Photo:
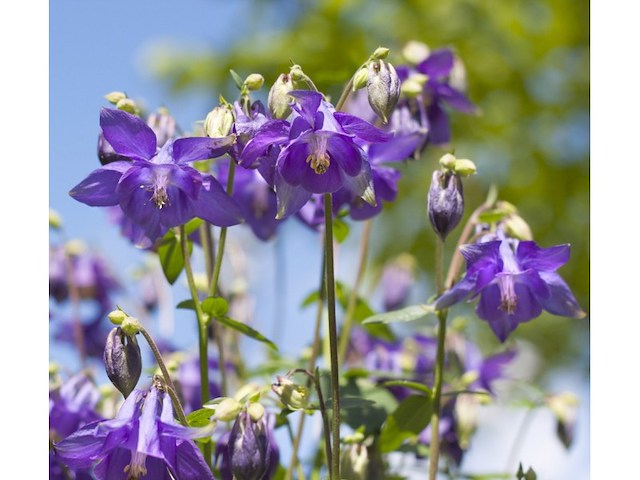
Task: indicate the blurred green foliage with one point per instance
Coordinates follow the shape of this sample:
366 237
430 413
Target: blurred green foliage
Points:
527 65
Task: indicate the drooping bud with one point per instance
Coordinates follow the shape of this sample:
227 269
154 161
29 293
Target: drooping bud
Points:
448 161
117 317
383 88
294 396
354 462
445 202
254 81
565 408
218 122
122 361
360 79
279 100
415 52
130 326
128 105
464 167
256 411
248 448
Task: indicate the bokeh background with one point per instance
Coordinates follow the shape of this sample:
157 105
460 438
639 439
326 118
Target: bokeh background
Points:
527 65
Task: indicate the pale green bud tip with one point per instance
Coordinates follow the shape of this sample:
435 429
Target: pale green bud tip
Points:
380 53
115 97
75 247
516 227
360 79
294 396
254 81
127 105
228 409
117 317
279 101
218 122
130 326
415 52
296 73
255 411
448 161
464 167
55 221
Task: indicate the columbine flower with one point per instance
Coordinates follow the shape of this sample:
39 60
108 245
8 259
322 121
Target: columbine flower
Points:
72 405
188 383
515 280
142 442
398 276
318 152
158 189
437 91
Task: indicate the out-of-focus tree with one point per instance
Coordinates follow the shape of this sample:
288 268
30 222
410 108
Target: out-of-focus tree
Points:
527 64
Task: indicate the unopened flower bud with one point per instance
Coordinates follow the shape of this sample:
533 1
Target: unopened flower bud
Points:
249 449
354 462
55 220
360 79
279 101
565 408
380 53
445 203
228 409
255 411
131 326
515 227
415 52
383 88
254 81
218 122
117 317
115 97
464 167
295 397
122 361
448 161
163 125
128 105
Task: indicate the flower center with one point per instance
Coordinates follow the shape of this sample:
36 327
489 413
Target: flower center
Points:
508 297
136 468
318 159
159 188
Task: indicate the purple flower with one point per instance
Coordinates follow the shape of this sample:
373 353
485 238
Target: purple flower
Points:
515 280
157 189
142 442
188 384
397 279
89 272
72 405
437 92
94 333
318 152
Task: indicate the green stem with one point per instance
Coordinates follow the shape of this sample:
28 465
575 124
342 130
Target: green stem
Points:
202 332
333 334
345 94
315 350
165 374
353 298
434 447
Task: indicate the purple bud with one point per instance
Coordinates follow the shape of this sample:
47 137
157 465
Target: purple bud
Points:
383 88
122 361
445 203
250 450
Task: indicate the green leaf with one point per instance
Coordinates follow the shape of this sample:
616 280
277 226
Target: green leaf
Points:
408 384
373 414
310 299
192 225
407 314
340 230
491 216
245 330
237 79
361 312
200 418
170 254
215 306
186 305
410 418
